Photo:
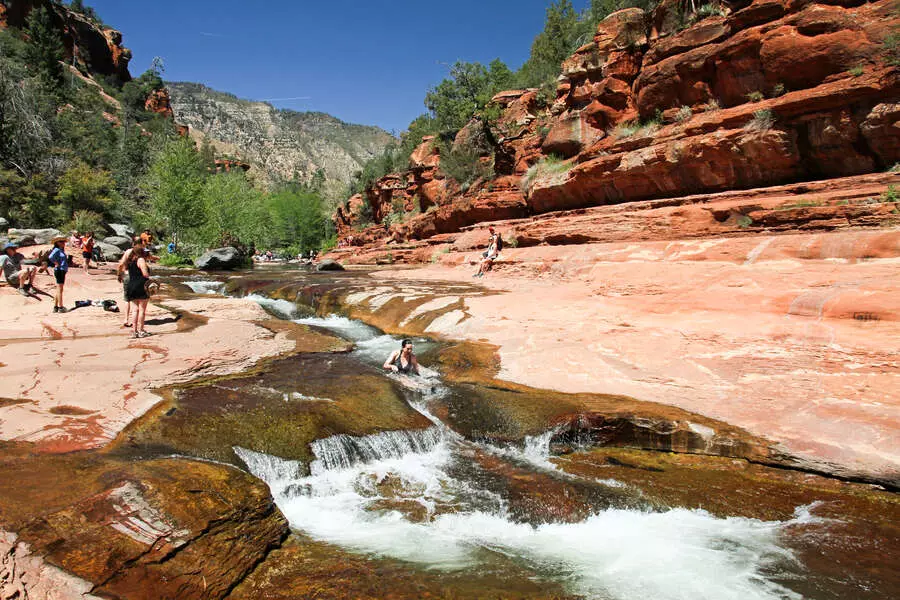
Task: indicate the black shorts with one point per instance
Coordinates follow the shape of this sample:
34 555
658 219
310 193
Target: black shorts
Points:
87 255
60 276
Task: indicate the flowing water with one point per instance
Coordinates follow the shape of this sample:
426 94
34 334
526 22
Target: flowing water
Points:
420 496
441 503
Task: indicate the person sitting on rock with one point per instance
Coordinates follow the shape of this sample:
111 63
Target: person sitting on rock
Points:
403 360
17 275
490 255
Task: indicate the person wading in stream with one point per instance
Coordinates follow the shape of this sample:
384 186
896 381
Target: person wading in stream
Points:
403 360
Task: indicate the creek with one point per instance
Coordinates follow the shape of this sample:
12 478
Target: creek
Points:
518 515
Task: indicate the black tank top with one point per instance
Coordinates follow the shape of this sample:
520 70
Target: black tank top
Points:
400 367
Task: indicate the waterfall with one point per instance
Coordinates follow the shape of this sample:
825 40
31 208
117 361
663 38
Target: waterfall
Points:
344 451
282 309
206 287
270 469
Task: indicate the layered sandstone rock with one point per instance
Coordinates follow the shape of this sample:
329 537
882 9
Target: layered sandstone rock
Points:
662 106
162 528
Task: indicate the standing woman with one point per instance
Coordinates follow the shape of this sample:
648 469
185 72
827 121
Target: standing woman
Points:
87 250
135 290
60 263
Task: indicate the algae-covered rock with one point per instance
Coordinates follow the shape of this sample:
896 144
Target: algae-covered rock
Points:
165 528
278 412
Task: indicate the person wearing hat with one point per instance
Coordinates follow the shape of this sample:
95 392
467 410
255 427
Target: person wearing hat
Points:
17 275
60 263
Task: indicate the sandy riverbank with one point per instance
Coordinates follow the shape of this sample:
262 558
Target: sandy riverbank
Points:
73 381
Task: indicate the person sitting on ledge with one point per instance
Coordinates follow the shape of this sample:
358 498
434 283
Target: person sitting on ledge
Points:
490 255
17 275
403 360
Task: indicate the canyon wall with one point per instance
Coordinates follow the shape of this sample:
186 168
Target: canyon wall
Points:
92 47
659 105
279 144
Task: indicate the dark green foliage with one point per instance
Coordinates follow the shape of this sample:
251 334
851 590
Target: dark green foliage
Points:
135 92
466 163
468 89
552 45
44 51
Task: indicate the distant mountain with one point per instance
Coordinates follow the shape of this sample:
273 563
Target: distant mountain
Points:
279 144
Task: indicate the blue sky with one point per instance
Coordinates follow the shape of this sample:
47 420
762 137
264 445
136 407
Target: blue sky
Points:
367 62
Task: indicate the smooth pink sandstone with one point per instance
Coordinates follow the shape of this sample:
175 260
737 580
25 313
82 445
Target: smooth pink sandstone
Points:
802 351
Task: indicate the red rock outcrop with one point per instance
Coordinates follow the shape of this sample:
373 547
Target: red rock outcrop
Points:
159 102
765 93
95 48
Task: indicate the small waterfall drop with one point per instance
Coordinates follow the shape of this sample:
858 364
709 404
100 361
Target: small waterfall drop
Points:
345 451
403 495
206 287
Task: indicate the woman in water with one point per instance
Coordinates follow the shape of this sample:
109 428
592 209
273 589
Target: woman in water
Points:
403 360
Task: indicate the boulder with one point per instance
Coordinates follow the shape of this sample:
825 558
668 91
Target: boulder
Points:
329 265
36 236
21 241
121 230
110 251
220 259
119 241
3 223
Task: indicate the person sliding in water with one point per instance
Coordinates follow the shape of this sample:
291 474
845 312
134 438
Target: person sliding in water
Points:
403 360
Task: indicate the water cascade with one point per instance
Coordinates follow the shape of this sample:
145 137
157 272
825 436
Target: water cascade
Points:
418 496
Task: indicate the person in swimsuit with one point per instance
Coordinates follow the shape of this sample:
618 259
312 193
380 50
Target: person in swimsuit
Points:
403 360
135 289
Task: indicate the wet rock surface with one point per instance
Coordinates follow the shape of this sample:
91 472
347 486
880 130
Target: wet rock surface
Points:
277 411
138 529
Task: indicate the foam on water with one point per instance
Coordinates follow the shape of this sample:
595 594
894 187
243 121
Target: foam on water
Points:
358 486
283 309
372 346
206 287
618 554
348 328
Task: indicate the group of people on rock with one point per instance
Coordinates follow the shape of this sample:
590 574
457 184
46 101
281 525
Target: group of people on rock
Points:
133 271
21 276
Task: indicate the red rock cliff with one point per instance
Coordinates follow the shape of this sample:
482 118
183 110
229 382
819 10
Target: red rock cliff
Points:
769 92
96 49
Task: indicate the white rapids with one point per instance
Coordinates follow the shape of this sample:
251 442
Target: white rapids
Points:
359 489
206 287
614 554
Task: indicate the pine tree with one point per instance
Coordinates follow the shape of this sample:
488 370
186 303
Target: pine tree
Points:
44 51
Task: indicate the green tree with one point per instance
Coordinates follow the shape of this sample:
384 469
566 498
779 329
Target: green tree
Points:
45 50
234 210
136 91
298 220
552 45
84 188
468 89
174 188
